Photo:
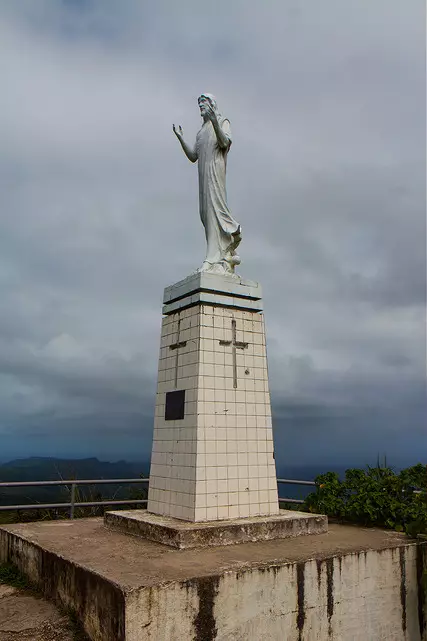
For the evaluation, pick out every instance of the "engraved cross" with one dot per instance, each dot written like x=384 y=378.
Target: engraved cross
x=235 y=345
x=176 y=346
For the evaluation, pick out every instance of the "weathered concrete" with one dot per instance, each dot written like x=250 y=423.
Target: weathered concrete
x=186 y=535
x=350 y=584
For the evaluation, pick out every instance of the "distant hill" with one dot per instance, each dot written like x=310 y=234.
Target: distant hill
x=54 y=469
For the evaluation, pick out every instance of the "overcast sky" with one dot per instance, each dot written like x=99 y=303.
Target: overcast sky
x=99 y=213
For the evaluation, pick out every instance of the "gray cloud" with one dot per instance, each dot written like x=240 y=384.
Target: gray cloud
x=99 y=213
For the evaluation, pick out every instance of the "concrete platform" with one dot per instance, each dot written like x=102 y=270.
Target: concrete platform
x=349 y=584
x=185 y=535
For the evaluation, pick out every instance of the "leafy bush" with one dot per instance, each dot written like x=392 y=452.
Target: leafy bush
x=376 y=496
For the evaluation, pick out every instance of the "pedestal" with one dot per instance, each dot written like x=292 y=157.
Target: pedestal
x=187 y=534
x=212 y=456
x=213 y=476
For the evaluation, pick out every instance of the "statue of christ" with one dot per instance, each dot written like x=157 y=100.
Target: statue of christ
x=213 y=141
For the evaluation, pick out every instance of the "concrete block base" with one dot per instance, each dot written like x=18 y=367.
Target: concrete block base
x=185 y=534
x=349 y=584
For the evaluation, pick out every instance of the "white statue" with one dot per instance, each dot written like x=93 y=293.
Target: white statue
x=223 y=233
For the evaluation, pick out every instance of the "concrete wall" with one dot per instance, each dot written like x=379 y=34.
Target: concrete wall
x=368 y=596
x=98 y=603
x=373 y=595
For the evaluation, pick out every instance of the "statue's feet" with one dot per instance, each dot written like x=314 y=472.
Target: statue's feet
x=223 y=268
x=206 y=267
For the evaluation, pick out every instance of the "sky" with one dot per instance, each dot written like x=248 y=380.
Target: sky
x=99 y=213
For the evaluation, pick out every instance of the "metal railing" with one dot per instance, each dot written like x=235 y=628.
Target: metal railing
x=74 y=483
x=293 y=482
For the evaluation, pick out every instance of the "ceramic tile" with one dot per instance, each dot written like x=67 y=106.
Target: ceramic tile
x=243 y=472
x=230 y=419
x=200 y=500
x=233 y=472
x=223 y=486
x=209 y=396
x=231 y=457
x=201 y=474
x=230 y=429
x=221 y=449
x=233 y=484
x=242 y=448
x=250 y=409
x=241 y=421
x=233 y=511
x=212 y=513
x=200 y=514
x=223 y=512
x=220 y=397
x=211 y=486
x=244 y=498
x=232 y=447
x=220 y=371
x=208 y=370
x=209 y=357
x=211 y=473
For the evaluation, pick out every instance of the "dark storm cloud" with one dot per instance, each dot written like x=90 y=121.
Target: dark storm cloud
x=99 y=210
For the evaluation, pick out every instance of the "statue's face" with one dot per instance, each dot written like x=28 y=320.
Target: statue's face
x=203 y=104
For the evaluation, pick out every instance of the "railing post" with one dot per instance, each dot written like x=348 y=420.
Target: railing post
x=73 y=499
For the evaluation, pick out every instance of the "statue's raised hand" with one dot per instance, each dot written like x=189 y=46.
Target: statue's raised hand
x=210 y=112
x=178 y=132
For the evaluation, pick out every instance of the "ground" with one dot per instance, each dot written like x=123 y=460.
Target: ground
x=25 y=616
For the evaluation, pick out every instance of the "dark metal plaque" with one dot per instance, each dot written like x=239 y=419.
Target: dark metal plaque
x=175 y=404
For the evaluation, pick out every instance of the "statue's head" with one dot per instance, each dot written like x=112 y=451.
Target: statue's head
x=206 y=99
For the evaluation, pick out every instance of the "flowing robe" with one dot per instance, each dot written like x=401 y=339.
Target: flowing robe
x=222 y=231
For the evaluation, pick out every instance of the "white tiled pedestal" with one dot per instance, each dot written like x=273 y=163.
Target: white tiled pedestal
x=216 y=461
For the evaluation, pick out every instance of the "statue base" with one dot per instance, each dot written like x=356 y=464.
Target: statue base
x=212 y=456
x=184 y=535
x=227 y=290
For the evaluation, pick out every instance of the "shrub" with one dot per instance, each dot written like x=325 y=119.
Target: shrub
x=376 y=496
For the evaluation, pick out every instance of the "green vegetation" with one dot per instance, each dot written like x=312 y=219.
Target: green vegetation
x=10 y=575
x=51 y=469
x=83 y=494
x=374 y=497
x=297 y=507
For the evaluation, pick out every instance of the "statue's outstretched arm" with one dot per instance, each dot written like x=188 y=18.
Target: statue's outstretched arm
x=189 y=152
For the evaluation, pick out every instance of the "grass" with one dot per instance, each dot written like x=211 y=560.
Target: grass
x=10 y=575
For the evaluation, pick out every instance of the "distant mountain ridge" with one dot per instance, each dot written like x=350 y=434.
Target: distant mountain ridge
x=54 y=469
x=57 y=469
